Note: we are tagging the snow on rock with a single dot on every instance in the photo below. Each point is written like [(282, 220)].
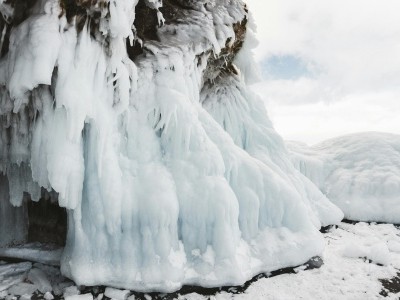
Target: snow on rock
[(71, 291), (48, 296), (116, 294), (39, 278), (80, 297), (378, 253), (11, 274), (360, 173), (57, 281), (13, 269), (101, 296), (22, 289), (169, 168), (11, 281)]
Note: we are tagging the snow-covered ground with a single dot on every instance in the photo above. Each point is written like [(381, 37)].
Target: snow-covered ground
[(356, 258)]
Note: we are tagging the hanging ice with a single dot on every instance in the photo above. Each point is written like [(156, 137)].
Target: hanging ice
[(169, 167)]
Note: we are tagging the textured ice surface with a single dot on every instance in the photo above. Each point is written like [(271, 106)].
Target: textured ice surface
[(360, 173), (168, 166), (71, 291), (22, 289), (12, 274), (33, 252), (39, 278)]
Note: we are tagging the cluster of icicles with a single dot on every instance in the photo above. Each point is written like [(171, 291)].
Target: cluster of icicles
[(168, 178)]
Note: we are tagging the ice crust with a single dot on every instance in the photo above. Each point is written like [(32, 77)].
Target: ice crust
[(360, 173), (169, 178)]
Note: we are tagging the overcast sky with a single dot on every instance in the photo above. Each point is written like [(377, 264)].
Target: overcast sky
[(330, 67)]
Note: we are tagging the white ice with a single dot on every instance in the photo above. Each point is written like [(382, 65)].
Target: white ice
[(22, 288), (40, 280), (116, 294), (171, 171), (80, 297)]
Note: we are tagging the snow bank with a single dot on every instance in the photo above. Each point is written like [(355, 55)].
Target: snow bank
[(360, 173), (168, 166)]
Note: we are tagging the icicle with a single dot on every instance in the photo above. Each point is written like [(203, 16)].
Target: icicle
[(3, 34), (167, 180)]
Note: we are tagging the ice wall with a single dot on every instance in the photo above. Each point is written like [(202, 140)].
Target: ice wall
[(169, 167), (360, 173)]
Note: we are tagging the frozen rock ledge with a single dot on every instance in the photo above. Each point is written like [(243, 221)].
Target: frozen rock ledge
[(136, 118)]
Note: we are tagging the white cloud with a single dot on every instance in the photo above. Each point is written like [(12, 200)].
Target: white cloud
[(315, 122), (296, 92), (354, 45)]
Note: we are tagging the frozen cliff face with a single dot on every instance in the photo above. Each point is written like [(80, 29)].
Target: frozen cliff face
[(360, 173), (137, 114)]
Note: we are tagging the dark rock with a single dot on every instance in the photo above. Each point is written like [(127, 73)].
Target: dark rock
[(326, 229), (352, 222), (391, 285)]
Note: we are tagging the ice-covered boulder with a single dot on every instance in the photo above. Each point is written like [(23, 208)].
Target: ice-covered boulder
[(360, 173), (137, 114)]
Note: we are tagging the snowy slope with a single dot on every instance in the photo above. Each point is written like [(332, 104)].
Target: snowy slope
[(360, 173), (160, 192)]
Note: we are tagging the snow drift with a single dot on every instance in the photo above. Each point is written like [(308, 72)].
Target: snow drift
[(360, 173), (138, 116)]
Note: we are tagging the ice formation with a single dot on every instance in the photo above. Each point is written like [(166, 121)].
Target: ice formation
[(137, 114), (360, 173)]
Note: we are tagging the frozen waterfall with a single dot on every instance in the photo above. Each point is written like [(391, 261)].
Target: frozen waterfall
[(138, 116)]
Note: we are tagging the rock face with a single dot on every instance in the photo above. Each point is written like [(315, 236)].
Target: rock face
[(135, 116)]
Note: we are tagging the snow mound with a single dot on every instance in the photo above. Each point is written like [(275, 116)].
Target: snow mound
[(168, 166), (360, 173)]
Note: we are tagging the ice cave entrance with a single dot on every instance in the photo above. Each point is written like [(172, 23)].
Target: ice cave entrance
[(34, 231), (47, 222)]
